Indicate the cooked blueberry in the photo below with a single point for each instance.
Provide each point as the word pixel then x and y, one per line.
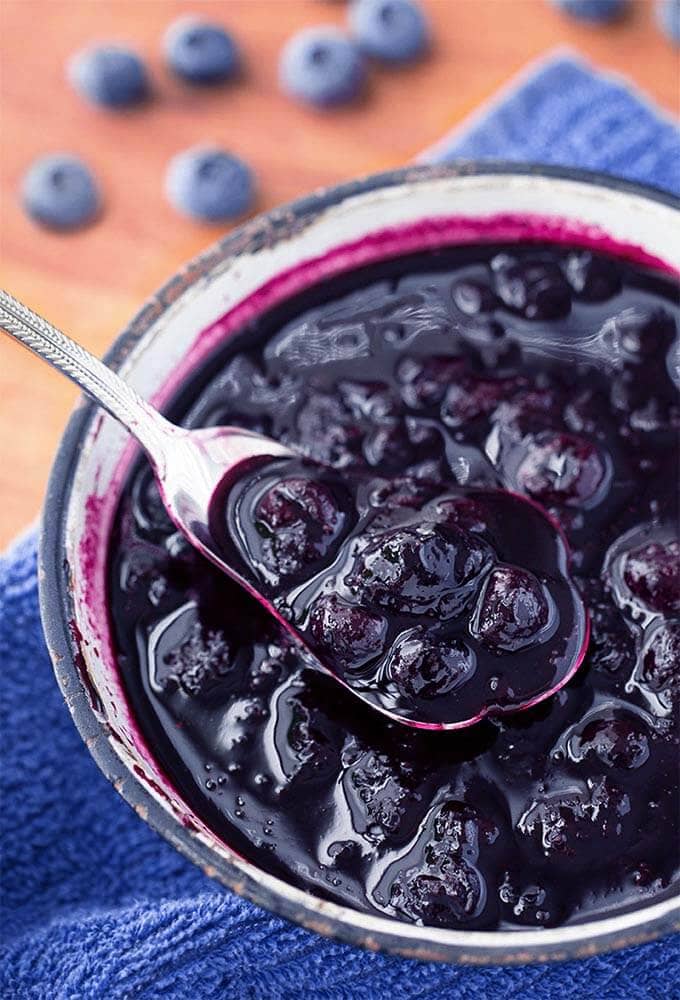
pixel 574 827
pixel 530 411
pixel 611 648
pixel 652 575
pixel 473 397
pixel 537 290
pixel 403 491
pixel 559 468
pixel 461 511
pixel 392 30
pixel 594 279
pixel 660 657
pixel 109 75
pixel 189 655
pixel 322 66
pixel 423 667
pixel 372 401
pixel 596 11
pixel 431 569
pixel 462 829
pixel 326 431
pixel 512 611
pixel 297 521
pixel 379 788
pixel 200 51
pixel 442 897
pixel 209 184
pixel 151 516
pixel 425 380
pixel 347 634
pixel 389 446
pixel 668 19
pixel 473 297
pixel 643 332
pixel 60 192
pixel 621 742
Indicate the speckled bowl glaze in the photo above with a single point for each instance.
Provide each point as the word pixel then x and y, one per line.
pixel 257 266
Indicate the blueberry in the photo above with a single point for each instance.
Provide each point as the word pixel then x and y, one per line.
pixel 512 611
pixel 347 633
pixel 621 742
pixel 151 518
pixel 536 290
pixel 392 30
pixel 473 297
pixel 596 11
pixel 431 569
pixel 111 76
pixel 425 380
pixel 574 827
pixel 652 574
pixel 472 397
pixel 668 19
pixel 298 521
pixel 642 332
pixel 321 66
pixel 209 184
pixel 422 667
pixel 200 52
pixel 660 659
pixel 446 895
pixel 594 279
pixel 60 192
pixel 559 468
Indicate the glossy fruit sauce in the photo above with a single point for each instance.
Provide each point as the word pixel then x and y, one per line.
pixel 502 425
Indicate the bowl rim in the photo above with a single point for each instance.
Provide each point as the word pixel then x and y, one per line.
pixel 330 919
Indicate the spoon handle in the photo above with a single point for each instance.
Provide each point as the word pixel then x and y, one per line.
pixel 92 375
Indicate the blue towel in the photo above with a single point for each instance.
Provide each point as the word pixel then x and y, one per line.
pixel 559 111
pixel 95 906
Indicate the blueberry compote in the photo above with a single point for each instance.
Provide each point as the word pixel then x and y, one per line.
pixel 439 605
pixel 481 396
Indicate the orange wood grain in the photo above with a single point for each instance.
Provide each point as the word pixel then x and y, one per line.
pixel 91 282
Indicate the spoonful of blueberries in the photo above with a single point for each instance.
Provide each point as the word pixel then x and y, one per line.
pixel 434 605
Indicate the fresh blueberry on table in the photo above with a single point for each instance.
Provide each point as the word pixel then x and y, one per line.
pixel 60 192
pixel 321 66
pixel 110 76
pixel 668 18
pixel 595 11
pixel 200 51
pixel 391 30
pixel 209 184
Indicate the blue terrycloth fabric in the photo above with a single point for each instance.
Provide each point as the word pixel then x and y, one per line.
pixel 563 113
pixel 95 906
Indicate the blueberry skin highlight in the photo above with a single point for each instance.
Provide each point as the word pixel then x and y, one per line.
pixel 110 76
pixel 392 30
pixel 594 11
pixel 60 192
pixel 200 52
pixel 321 66
pixel 209 184
pixel 668 18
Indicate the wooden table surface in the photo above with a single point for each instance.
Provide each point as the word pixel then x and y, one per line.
pixel 91 282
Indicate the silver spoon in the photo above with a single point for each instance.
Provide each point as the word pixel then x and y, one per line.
pixel 191 469
pixel 189 465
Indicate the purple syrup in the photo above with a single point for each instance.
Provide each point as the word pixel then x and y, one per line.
pixel 438 604
pixel 440 378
